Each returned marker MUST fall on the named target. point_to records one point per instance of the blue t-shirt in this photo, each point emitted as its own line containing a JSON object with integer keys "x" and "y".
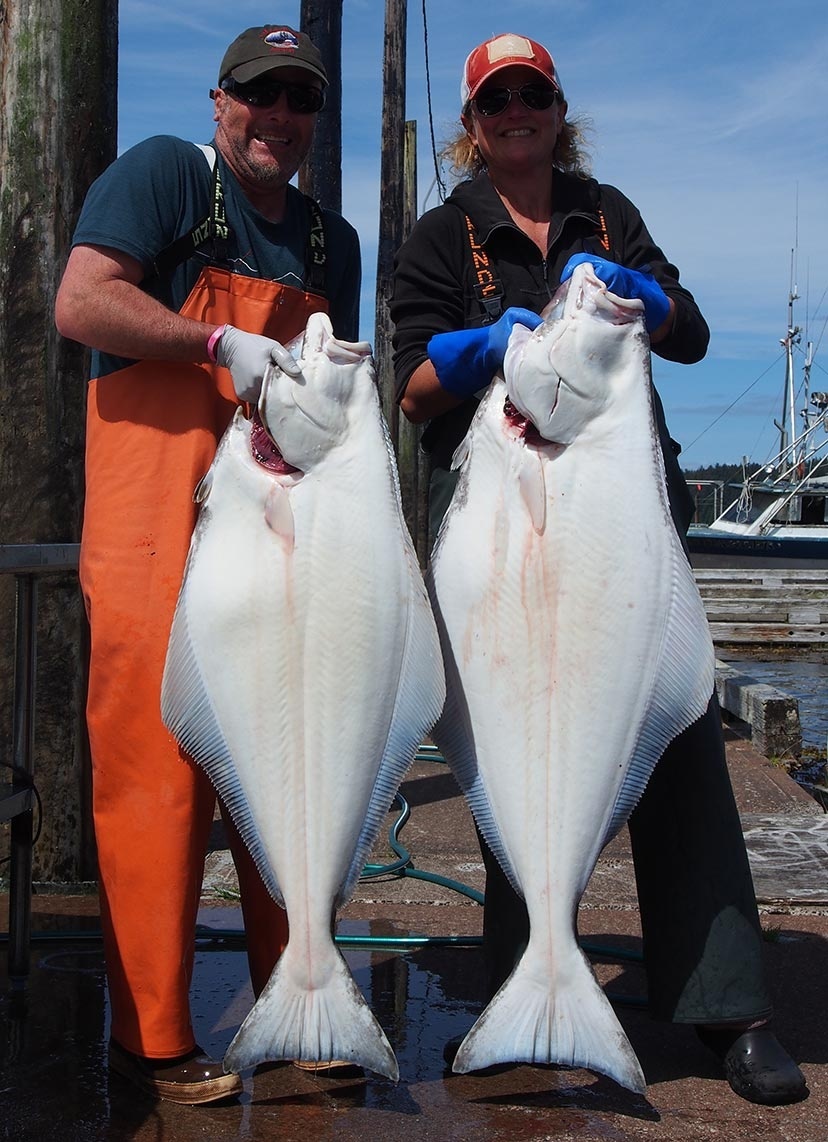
{"x": 162, "y": 188}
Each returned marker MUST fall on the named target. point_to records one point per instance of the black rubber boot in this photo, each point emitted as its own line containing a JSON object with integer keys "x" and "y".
{"x": 756, "y": 1065}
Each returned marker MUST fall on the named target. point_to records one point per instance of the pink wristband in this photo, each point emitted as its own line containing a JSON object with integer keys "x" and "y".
{"x": 212, "y": 341}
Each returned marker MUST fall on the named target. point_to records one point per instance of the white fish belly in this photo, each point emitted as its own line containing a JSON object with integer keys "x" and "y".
{"x": 303, "y": 652}
{"x": 555, "y": 654}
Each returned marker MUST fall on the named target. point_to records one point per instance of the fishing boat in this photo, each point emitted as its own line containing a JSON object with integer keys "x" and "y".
{"x": 779, "y": 514}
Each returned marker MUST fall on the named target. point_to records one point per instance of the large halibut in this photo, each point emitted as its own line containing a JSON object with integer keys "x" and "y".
{"x": 576, "y": 649}
{"x": 303, "y": 671}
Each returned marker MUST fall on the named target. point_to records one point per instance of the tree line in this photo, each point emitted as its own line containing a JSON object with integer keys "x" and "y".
{"x": 723, "y": 472}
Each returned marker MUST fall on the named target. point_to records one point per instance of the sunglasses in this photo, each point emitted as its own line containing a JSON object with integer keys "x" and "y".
{"x": 534, "y": 96}
{"x": 301, "y": 97}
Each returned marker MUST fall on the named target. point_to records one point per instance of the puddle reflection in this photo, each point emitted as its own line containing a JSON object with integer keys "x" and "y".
{"x": 55, "y": 1079}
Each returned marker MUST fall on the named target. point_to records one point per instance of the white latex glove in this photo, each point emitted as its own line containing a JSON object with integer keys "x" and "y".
{"x": 247, "y": 355}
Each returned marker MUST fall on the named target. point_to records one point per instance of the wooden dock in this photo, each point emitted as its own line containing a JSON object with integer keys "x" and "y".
{"x": 765, "y": 605}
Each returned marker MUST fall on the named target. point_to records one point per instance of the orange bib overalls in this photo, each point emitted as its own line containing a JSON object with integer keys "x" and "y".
{"x": 152, "y": 431}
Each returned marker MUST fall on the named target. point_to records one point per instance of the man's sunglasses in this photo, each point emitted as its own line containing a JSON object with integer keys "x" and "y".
{"x": 301, "y": 97}
{"x": 495, "y": 100}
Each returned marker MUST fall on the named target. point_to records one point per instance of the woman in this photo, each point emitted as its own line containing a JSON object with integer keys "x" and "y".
{"x": 491, "y": 256}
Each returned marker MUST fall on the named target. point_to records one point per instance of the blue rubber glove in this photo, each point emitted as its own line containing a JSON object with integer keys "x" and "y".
{"x": 467, "y": 359}
{"x": 627, "y": 283}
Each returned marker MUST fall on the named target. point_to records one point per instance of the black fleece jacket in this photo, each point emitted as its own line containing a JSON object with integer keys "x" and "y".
{"x": 436, "y": 286}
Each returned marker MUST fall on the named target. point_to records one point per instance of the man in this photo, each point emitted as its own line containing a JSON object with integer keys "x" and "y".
{"x": 190, "y": 267}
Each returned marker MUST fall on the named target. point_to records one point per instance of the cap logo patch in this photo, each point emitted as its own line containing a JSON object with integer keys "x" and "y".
{"x": 283, "y": 38}
{"x": 509, "y": 46}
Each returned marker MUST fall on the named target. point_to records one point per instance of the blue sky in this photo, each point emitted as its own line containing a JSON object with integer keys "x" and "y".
{"x": 710, "y": 116}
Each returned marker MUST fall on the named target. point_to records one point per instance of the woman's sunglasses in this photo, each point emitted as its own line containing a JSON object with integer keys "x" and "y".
{"x": 495, "y": 100}
{"x": 301, "y": 97}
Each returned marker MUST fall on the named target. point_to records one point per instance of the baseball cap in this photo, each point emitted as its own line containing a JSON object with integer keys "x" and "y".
{"x": 505, "y": 51}
{"x": 260, "y": 50}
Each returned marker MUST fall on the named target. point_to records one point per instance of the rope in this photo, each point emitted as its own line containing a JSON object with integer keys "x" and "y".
{"x": 735, "y": 401}
{"x": 441, "y": 189}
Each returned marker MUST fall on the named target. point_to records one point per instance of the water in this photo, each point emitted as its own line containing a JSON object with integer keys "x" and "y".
{"x": 804, "y": 678}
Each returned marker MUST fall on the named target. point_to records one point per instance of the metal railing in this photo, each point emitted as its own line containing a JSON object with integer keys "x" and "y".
{"x": 27, "y": 562}
{"x": 708, "y": 496}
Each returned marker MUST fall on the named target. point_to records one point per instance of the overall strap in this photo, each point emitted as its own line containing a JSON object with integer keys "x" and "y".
{"x": 315, "y": 253}
{"x": 603, "y": 230}
{"x": 488, "y": 288}
{"x": 603, "y": 233}
{"x": 213, "y": 228}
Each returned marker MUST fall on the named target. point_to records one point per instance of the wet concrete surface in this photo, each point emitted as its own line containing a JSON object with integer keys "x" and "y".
{"x": 54, "y": 1081}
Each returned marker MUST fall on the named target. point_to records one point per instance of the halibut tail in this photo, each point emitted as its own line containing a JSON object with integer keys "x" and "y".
{"x": 566, "y": 1020}
{"x": 323, "y": 1024}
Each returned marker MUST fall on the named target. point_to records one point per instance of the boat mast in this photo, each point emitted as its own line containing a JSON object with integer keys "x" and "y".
{"x": 787, "y": 426}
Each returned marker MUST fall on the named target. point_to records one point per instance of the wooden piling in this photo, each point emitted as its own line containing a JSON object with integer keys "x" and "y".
{"x": 58, "y": 92}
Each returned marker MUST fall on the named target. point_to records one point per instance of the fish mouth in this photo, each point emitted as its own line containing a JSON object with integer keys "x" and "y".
{"x": 522, "y": 424}
{"x": 264, "y": 449}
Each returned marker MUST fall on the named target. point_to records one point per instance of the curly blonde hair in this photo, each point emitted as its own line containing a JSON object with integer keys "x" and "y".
{"x": 570, "y": 153}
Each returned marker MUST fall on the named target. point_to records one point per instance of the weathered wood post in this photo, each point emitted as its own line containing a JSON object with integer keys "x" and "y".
{"x": 414, "y": 465}
{"x": 397, "y": 213}
{"x": 392, "y": 201}
{"x": 321, "y": 176}
{"x": 58, "y": 92}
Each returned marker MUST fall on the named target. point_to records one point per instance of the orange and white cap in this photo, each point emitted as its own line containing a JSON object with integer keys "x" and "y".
{"x": 505, "y": 51}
